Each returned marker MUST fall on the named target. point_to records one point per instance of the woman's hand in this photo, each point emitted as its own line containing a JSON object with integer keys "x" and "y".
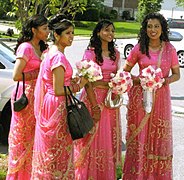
{"x": 75, "y": 80}
{"x": 83, "y": 82}
{"x": 96, "y": 113}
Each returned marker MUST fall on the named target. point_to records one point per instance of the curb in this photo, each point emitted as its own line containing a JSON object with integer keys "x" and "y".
{"x": 178, "y": 111}
{"x": 8, "y": 39}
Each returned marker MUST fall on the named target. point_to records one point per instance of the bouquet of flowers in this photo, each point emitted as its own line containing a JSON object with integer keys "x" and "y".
{"x": 121, "y": 82}
{"x": 151, "y": 80}
{"x": 89, "y": 69}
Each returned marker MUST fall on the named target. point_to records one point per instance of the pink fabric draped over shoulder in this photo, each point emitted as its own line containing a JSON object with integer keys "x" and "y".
{"x": 22, "y": 127}
{"x": 149, "y": 140}
{"x": 53, "y": 145}
{"x": 99, "y": 154}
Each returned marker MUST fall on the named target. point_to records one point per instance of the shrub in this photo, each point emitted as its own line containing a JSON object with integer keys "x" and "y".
{"x": 104, "y": 15}
{"x": 113, "y": 14}
{"x": 126, "y": 15}
{"x": 91, "y": 14}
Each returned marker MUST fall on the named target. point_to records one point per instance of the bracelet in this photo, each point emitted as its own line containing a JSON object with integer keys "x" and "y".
{"x": 75, "y": 88}
{"x": 167, "y": 81}
{"x": 96, "y": 110}
{"x": 96, "y": 107}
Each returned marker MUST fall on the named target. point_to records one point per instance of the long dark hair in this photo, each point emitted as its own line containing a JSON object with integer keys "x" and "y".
{"x": 58, "y": 24}
{"x": 27, "y": 34}
{"x": 143, "y": 38}
{"x": 96, "y": 43}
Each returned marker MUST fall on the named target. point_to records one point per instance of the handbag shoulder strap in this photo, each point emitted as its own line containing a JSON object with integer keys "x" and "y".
{"x": 66, "y": 96}
{"x": 72, "y": 99}
{"x": 75, "y": 100}
{"x": 23, "y": 77}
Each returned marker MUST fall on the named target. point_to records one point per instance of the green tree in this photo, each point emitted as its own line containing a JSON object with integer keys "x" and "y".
{"x": 25, "y": 8}
{"x": 5, "y": 7}
{"x": 180, "y": 3}
{"x": 147, "y": 6}
{"x": 95, "y": 3}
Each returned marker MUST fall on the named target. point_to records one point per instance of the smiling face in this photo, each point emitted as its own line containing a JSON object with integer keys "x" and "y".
{"x": 154, "y": 29}
{"x": 66, "y": 38}
{"x": 107, "y": 33}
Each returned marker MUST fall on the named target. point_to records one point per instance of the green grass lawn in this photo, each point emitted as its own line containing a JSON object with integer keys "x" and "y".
{"x": 85, "y": 28}
{"x": 3, "y": 166}
{"x": 122, "y": 29}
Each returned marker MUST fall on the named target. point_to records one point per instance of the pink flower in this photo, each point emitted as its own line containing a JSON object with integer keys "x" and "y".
{"x": 149, "y": 83}
{"x": 121, "y": 82}
{"x": 151, "y": 79}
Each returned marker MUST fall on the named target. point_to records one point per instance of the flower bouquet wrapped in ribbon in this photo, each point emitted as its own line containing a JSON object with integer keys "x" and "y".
{"x": 89, "y": 69}
{"x": 119, "y": 84}
{"x": 151, "y": 80}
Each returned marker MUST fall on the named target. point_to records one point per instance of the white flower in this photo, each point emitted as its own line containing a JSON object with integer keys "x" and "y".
{"x": 89, "y": 69}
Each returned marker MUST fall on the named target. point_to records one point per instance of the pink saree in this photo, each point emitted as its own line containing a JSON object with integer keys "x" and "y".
{"x": 149, "y": 137}
{"x": 99, "y": 154}
{"x": 21, "y": 136}
{"x": 53, "y": 145}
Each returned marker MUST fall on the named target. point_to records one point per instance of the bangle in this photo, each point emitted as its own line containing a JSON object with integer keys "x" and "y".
{"x": 96, "y": 107}
{"x": 96, "y": 110}
{"x": 167, "y": 80}
{"x": 75, "y": 88}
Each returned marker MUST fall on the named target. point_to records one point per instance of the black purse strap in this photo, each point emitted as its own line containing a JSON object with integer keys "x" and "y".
{"x": 18, "y": 87}
{"x": 73, "y": 100}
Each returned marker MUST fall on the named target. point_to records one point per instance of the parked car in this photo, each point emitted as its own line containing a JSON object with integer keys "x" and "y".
{"x": 176, "y": 25}
{"x": 7, "y": 59}
{"x": 176, "y": 38}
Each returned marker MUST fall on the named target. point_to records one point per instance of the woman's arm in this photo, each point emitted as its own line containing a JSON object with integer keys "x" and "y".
{"x": 58, "y": 82}
{"x": 100, "y": 83}
{"x": 175, "y": 76}
{"x": 19, "y": 68}
{"x": 95, "y": 108}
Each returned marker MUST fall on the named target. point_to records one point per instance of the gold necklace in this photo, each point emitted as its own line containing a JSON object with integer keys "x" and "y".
{"x": 37, "y": 49}
{"x": 156, "y": 47}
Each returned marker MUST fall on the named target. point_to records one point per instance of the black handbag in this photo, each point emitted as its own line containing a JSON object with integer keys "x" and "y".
{"x": 22, "y": 102}
{"x": 79, "y": 119}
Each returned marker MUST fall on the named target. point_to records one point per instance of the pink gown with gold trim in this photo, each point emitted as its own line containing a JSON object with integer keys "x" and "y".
{"x": 22, "y": 129}
{"x": 99, "y": 154}
{"x": 149, "y": 141}
{"x": 53, "y": 146}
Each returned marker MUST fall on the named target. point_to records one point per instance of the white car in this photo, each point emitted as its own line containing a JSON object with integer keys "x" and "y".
{"x": 176, "y": 38}
{"x": 7, "y": 59}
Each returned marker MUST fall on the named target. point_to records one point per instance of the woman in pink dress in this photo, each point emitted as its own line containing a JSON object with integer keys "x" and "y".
{"x": 149, "y": 135}
{"x": 99, "y": 153}
{"x": 53, "y": 146}
{"x": 28, "y": 58}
